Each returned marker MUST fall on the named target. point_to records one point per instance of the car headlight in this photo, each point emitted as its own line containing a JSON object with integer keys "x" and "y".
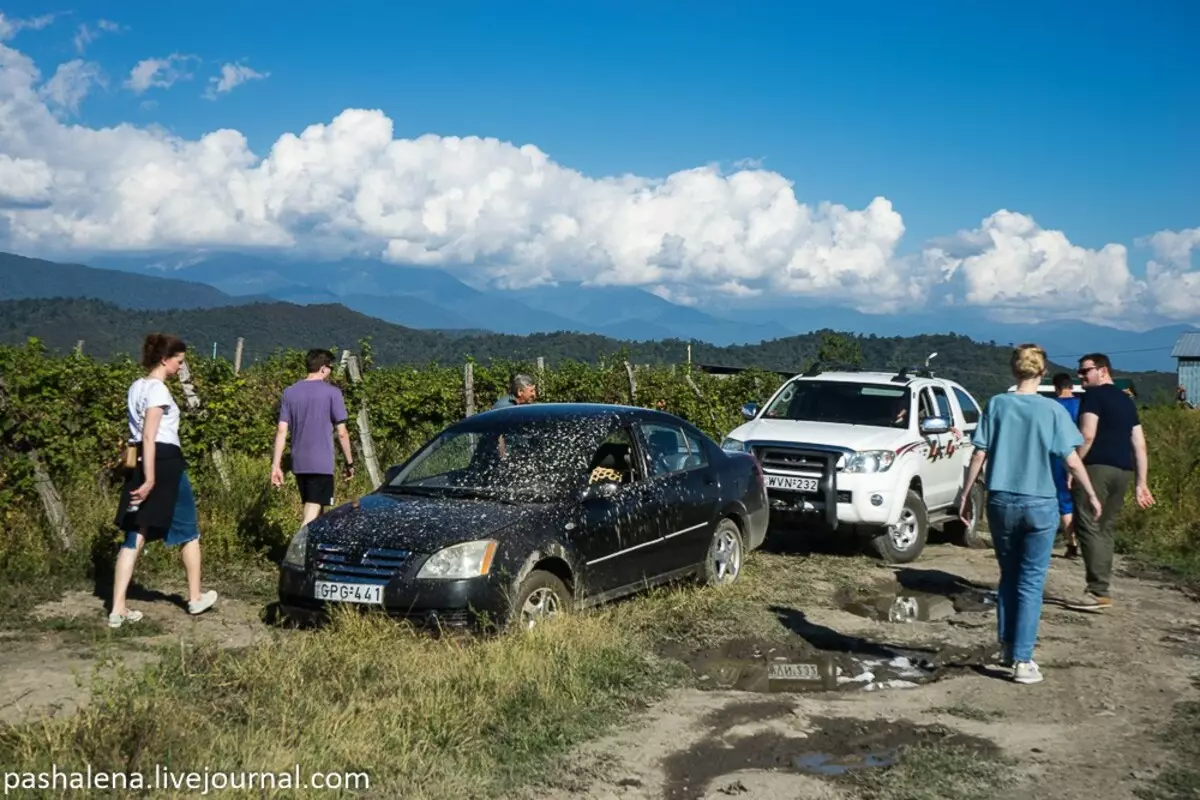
{"x": 733, "y": 445}
{"x": 869, "y": 461}
{"x": 297, "y": 548}
{"x": 466, "y": 560}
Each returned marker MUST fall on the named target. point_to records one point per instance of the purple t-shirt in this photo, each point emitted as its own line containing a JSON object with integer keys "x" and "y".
{"x": 311, "y": 409}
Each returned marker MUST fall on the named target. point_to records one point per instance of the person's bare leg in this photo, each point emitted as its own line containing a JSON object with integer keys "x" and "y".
{"x": 123, "y": 574}
{"x": 191, "y": 565}
{"x": 311, "y": 512}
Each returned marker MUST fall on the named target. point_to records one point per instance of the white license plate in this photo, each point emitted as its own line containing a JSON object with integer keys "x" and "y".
{"x": 791, "y": 484}
{"x": 348, "y": 592}
{"x": 793, "y": 672}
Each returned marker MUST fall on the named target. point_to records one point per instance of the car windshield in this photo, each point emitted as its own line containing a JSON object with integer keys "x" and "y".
{"x": 843, "y": 401}
{"x": 520, "y": 463}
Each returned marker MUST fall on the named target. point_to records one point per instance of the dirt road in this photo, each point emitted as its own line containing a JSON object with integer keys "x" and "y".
{"x": 896, "y": 657}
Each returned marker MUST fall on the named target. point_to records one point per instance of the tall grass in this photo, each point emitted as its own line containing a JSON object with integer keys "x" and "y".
{"x": 1168, "y": 533}
{"x": 423, "y": 717}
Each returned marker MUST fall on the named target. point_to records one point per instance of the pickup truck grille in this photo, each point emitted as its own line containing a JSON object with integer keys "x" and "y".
{"x": 790, "y": 460}
{"x": 789, "y": 465}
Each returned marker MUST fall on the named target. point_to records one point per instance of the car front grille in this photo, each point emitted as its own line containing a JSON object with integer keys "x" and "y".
{"x": 374, "y": 565}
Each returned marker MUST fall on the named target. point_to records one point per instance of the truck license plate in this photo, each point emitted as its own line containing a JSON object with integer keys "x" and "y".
{"x": 791, "y": 484}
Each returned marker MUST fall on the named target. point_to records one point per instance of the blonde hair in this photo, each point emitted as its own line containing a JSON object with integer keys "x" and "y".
{"x": 1028, "y": 361}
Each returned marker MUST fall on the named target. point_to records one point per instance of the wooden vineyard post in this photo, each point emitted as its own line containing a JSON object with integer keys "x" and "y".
{"x": 237, "y": 356}
{"x": 192, "y": 401}
{"x": 79, "y": 347}
{"x": 364, "y": 424}
{"x": 469, "y": 388}
{"x": 632, "y": 383}
{"x": 52, "y": 503}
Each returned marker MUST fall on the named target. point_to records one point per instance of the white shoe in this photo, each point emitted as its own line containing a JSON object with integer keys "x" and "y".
{"x": 205, "y": 602}
{"x": 117, "y": 620}
{"x": 1027, "y": 672}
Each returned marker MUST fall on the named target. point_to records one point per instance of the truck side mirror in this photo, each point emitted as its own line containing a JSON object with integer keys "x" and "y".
{"x": 932, "y": 426}
{"x": 750, "y": 410}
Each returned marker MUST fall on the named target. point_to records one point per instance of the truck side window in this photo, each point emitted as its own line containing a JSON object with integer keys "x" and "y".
{"x": 969, "y": 409}
{"x": 943, "y": 404}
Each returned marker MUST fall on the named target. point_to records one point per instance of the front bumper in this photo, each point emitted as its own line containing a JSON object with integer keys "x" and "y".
{"x": 839, "y": 498}
{"x": 426, "y": 603}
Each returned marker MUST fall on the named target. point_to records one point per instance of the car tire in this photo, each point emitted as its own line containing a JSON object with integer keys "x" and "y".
{"x": 539, "y": 588}
{"x": 969, "y": 536}
{"x": 726, "y": 555}
{"x": 906, "y": 540}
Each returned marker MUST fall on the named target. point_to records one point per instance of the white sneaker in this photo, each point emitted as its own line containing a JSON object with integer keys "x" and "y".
{"x": 117, "y": 620}
{"x": 205, "y": 602}
{"x": 1027, "y": 672}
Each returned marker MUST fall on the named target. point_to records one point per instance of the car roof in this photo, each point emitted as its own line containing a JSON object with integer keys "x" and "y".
{"x": 552, "y": 412}
{"x": 882, "y": 378}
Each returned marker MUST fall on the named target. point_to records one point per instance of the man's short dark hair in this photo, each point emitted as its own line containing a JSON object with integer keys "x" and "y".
{"x": 1062, "y": 382}
{"x": 316, "y": 359}
{"x": 1099, "y": 360}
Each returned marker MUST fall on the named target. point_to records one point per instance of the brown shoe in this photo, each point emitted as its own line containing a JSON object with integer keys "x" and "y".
{"x": 1090, "y": 603}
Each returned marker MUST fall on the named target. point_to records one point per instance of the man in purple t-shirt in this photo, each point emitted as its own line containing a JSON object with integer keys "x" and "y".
{"x": 311, "y": 409}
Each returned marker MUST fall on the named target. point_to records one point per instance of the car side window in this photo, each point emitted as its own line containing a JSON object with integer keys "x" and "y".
{"x": 926, "y": 407}
{"x": 969, "y": 409}
{"x": 943, "y": 404}
{"x": 667, "y": 448}
{"x": 697, "y": 453}
{"x": 613, "y": 460}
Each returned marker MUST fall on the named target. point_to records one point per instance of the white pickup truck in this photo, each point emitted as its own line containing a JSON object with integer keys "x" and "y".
{"x": 883, "y": 453}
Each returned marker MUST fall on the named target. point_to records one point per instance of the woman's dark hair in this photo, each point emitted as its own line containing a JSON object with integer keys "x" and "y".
{"x": 159, "y": 346}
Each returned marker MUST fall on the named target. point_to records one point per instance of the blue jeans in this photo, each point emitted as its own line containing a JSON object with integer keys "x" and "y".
{"x": 1023, "y": 530}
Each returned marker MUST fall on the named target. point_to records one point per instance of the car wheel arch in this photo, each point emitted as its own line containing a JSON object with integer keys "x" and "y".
{"x": 553, "y": 560}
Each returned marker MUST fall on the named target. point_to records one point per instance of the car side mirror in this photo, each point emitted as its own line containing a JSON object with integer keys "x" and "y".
{"x": 604, "y": 490}
{"x": 932, "y": 426}
{"x": 750, "y": 410}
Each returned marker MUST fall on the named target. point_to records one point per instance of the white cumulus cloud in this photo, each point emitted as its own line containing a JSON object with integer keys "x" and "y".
{"x": 160, "y": 73}
{"x": 510, "y": 215}
{"x": 231, "y": 77}
{"x": 71, "y": 83}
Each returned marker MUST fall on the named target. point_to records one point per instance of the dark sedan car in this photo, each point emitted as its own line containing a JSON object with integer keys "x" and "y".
{"x": 531, "y": 510}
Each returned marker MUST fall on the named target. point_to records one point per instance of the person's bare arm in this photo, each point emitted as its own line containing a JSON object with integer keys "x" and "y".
{"x": 978, "y": 459}
{"x": 344, "y": 442}
{"x": 1142, "y": 465}
{"x": 1087, "y": 426}
{"x": 149, "y": 433}
{"x": 281, "y": 432}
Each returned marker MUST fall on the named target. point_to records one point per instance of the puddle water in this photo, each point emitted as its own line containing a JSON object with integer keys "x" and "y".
{"x": 753, "y": 666}
{"x": 832, "y": 764}
{"x": 899, "y": 605}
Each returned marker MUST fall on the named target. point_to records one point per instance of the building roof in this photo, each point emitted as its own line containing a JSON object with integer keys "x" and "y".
{"x": 1187, "y": 346}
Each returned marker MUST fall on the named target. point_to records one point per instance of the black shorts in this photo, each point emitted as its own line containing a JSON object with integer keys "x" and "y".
{"x": 316, "y": 488}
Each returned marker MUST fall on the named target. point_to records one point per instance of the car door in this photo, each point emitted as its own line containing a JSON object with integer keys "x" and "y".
{"x": 941, "y": 475}
{"x": 619, "y": 526}
{"x": 684, "y": 480}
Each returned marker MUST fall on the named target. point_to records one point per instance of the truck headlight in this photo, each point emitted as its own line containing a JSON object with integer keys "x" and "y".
{"x": 297, "y": 548}
{"x": 466, "y": 560}
{"x": 868, "y": 461}
{"x": 733, "y": 445}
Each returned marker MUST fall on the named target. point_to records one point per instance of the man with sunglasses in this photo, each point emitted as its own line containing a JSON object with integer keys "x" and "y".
{"x": 1114, "y": 452}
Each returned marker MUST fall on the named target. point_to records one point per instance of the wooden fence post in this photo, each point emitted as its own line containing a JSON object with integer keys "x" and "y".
{"x": 79, "y": 347}
{"x": 237, "y": 356}
{"x": 192, "y": 400}
{"x": 52, "y": 503}
{"x": 364, "y": 424}
{"x": 469, "y": 388}
{"x": 632, "y": 383}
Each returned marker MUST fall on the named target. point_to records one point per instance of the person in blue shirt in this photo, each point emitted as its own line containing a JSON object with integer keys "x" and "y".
{"x": 1064, "y": 393}
{"x": 1017, "y": 435}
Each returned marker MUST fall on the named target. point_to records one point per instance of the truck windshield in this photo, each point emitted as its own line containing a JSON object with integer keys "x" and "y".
{"x": 840, "y": 401}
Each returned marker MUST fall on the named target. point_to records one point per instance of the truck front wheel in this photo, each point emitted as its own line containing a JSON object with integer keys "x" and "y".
{"x": 904, "y": 541}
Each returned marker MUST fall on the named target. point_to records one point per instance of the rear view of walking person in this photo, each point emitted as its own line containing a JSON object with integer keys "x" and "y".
{"x": 1114, "y": 452}
{"x": 1017, "y": 437}
{"x": 156, "y": 500}
{"x": 311, "y": 409}
{"x": 1064, "y": 393}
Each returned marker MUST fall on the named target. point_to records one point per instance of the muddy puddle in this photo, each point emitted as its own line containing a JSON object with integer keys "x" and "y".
{"x": 761, "y": 666}
{"x": 823, "y": 747}
{"x": 920, "y": 600}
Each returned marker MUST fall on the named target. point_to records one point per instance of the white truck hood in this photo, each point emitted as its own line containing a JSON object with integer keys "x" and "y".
{"x": 837, "y": 434}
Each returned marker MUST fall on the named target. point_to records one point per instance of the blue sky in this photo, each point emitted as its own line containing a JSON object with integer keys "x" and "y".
{"x": 1084, "y": 115}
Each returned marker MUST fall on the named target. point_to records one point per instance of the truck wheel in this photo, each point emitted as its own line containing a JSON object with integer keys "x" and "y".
{"x": 904, "y": 541}
{"x": 969, "y": 535}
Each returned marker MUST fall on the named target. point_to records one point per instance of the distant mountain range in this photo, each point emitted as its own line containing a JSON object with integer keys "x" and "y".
{"x": 433, "y": 300}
